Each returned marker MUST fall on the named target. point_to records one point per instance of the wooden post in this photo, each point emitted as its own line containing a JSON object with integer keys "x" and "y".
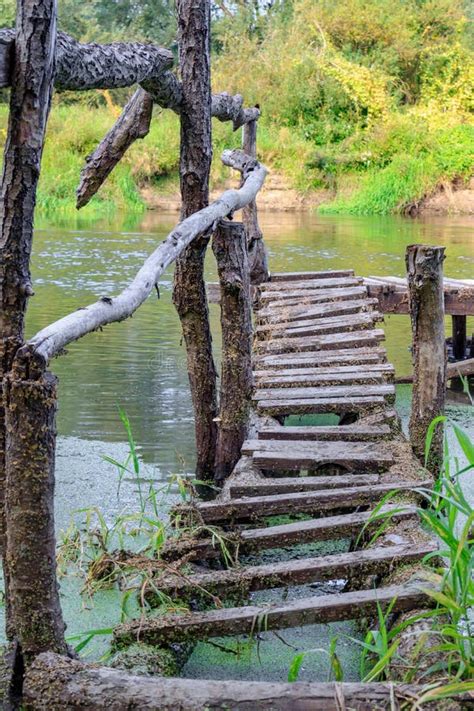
{"x": 30, "y": 408}
{"x": 425, "y": 286}
{"x": 230, "y": 248}
{"x": 258, "y": 257}
{"x": 189, "y": 293}
{"x": 459, "y": 337}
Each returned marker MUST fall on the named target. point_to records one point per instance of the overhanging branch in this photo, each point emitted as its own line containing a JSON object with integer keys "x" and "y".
{"x": 54, "y": 338}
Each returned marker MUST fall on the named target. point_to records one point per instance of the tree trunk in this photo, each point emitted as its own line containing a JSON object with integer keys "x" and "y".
{"x": 30, "y": 100}
{"x": 30, "y": 407}
{"x": 258, "y": 257}
{"x": 230, "y": 248}
{"x": 425, "y": 286}
{"x": 195, "y": 160}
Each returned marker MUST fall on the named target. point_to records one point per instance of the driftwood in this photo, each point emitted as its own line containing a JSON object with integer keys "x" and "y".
{"x": 54, "y": 683}
{"x": 425, "y": 287}
{"x": 50, "y": 341}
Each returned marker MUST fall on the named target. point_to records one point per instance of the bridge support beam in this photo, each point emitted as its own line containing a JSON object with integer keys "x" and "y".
{"x": 425, "y": 285}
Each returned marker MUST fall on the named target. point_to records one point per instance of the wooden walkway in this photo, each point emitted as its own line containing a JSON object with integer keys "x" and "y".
{"x": 318, "y": 351}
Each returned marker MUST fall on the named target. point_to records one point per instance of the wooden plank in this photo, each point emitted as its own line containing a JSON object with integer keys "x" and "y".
{"x": 334, "y": 341}
{"x": 297, "y": 276}
{"x": 297, "y": 455}
{"x": 315, "y": 406}
{"x": 350, "y": 356}
{"x": 234, "y": 581}
{"x": 321, "y": 609}
{"x": 314, "y": 283}
{"x": 313, "y": 327}
{"x": 305, "y": 502}
{"x": 300, "y": 483}
{"x": 345, "y": 433}
{"x": 283, "y": 535}
{"x": 316, "y": 379}
{"x": 302, "y": 296}
{"x": 393, "y": 299}
{"x": 376, "y": 369}
{"x": 306, "y": 393}
{"x": 290, "y": 314}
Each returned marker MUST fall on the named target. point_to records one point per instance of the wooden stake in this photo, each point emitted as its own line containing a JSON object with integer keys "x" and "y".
{"x": 230, "y": 248}
{"x": 459, "y": 337}
{"x": 258, "y": 257}
{"x": 425, "y": 285}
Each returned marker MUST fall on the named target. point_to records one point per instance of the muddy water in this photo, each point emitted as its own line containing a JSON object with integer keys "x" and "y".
{"x": 140, "y": 366}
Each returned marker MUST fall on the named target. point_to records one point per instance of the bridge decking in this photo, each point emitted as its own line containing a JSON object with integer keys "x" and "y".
{"x": 317, "y": 349}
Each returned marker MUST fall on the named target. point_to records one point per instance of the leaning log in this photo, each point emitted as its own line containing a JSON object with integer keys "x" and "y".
{"x": 230, "y": 249}
{"x": 425, "y": 287}
{"x": 55, "y": 683}
{"x": 51, "y": 340}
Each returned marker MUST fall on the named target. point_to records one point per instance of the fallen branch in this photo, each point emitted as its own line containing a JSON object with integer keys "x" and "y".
{"x": 54, "y": 338}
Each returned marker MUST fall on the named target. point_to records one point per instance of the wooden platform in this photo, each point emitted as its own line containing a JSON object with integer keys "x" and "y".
{"x": 317, "y": 351}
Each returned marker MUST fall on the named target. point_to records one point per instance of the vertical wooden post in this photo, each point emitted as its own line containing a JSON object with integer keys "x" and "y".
{"x": 258, "y": 257}
{"x": 230, "y": 248}
{"x": 459, "y": 337}
{"x": 189, "y": 293}
{"x": 30, "y": 407}
{"x": 425, "y": 287}
{"x": 30, "y": 98}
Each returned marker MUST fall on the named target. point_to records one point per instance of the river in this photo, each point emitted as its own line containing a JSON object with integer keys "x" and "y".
{"x": 139, "y": 365}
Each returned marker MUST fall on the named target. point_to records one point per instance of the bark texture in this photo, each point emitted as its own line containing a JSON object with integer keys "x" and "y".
{"x": 230, "y": 248}
{"x": 55, "y": 683}
{"x": 51, "y": 340}
{"x": 258, "y": 257}
{"x": 425, "y": 286}
{"x": 30, "y": 100}
{"x": 189, "y": 294}
{"x": 30, "y": 407}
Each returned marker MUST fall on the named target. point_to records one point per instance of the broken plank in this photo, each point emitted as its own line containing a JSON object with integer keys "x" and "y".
{"x": 351, "y": 356}
{"x": 319, "y": 609}
{"x": 306, "y": 502}
{"x": 323, "y": 391}
{"x": 322, "y": 326}
{"x": 300, "y": 483}
{"x": 235, "y": 581}
{"x": 297, "y": 276}
{"x": 293, "y": 313}
{"x": 298, "y": 455}
{"x": 315, "y": 343}
{"x": 317, "y": 406}
{"x": 345, "y": 433}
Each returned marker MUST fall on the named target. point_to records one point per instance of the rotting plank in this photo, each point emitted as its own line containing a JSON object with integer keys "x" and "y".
{"x": 251, "y": 619}
{"x": 345, "y": 433}
{"x": 289, "y": 572}
{"x": 306, "y": 502}
{"x": 315, "y": 343}
{"x": 322, "y": 326}
{"x": 297, "y": 533}
{"x": 324, "y": 391}
{"x": 300, "y": 483}
{"x": 267, "y": 317}
{"x": 297, "y": 455}
{"x": 314, "y": 406}
{"x": 326, "y": 283}
{"x": 299, "y": 379}
{"x": 304, "y": 276}
{"x": 302, "y": 296}
{"x": 351, "y": 356}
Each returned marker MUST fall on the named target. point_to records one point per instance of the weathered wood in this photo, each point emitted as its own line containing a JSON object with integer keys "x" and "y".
{"x": 354, "y": 356}
{"x": 253, "y": 619}
{"x": 316, "y": 379}
{"x": 305, "y": 393}
{"x": 466, "y": 367}
{"x": 385, "y": 370}
{"x": 321, "y": 326}
{"x": 304, "y": 276}
{"x": 393, "y": 296}
{"x": 306, "y": 502}
{"x": 459, "y": 336}
{"x": 271, "y": 289}
{"x": 270, "y": 316}
{"x": 314, "y": 296}
{"x": 229, "y": 245}
{"x": 238, "y": 581}
{"x": 334, "y": 341}
{"x": 55, "y": 683}
{"x": 346, "y": 433}
{"x": 300, "y": 483}
{"x": 304, "y": 454}
{"x": 425, "y": 284}
{"x": 258, "y": 256}
{"x": 51, "y": 340}
{"x": 314, "y": 406}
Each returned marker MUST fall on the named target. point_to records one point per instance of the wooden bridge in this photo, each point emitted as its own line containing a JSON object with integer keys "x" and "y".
{"x": 318, "y": 350}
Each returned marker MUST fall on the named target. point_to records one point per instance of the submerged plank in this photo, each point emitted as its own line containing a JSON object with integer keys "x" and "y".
{"x": 315, "y": 406}
{"x": 301, "y": 483}
{"x": 306, "y": 502}
{"x": 252, "y": 619}
{"x": 327, "y": 432}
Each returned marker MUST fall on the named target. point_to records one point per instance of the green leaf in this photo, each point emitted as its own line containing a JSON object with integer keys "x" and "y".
{"x": 295, "y": 666}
